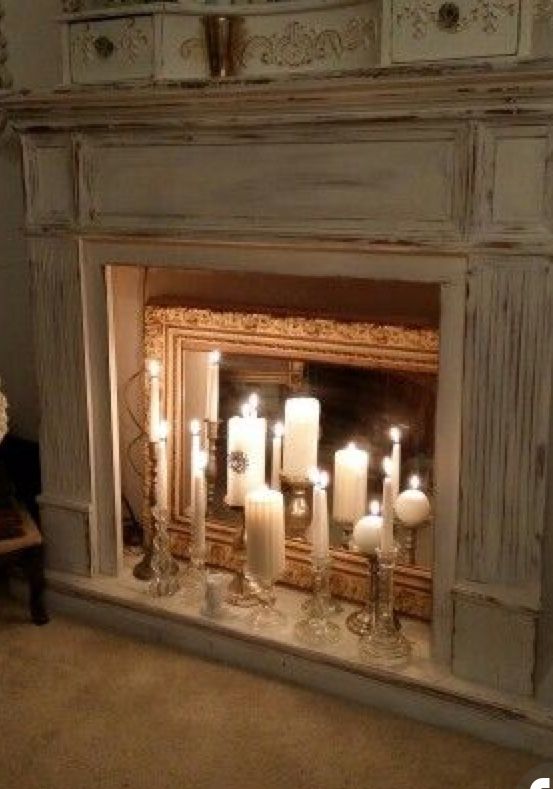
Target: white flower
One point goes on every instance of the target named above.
(3, 415)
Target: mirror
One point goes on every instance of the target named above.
(366, 377)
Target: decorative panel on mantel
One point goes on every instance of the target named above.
(506, 422)
(306, 181)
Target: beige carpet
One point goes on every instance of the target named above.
(83, 708)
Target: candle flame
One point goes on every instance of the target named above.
(387, 466)
(154, 368)
(195, 427)
(314, 475)
(395, 434)
(214, 357)
(246, 410)
(324, 479)
(352, 445)
(415, 482)
(278, 430)
(253, 401)
(163, 430)
(375, 507)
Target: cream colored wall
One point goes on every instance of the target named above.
(35, 62)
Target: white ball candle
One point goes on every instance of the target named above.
(301, 436)
(319, 521)
(265, 542)
(154, 371)
(412, 506)
(350, 484)
(212, 387)
(367, 533)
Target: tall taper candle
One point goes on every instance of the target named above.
(395, 435)
(200, 502)
(195, 430)
(212, 389)
(319, 522)
(276, 466)
(154, 371)
(162, 492)
(387, 508)
(301, 436)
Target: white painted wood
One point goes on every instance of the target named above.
(65, 525)
(299, 181)
(481, 31)
(506, 421)
(132, 50)
(494, 644)
(447, 460)
(49, 180)
(514, 181)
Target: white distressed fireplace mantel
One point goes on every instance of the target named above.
(443, 175)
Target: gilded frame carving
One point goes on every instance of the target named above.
(169, 329)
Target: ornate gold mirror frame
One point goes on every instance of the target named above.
(171, 331)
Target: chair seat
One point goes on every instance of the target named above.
(29, 539)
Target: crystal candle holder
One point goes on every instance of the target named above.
(385, 644)
(266, 615)
(363, 621)
(298, 494)
(316, 629)
(241, 592)
(195, 575)
(212, 441)
(164, 580)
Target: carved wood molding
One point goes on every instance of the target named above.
(170, 329)
(357, 343)
(422, 15)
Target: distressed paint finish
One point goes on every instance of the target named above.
(56, 292)
(506, 418)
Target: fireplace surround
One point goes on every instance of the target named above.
(440, 178)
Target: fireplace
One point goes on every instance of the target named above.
(326, 200)
(367, 350)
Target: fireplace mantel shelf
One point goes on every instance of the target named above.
(422, 92)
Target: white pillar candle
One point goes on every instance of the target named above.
(154, 371)
(247, 436)
(195, 430)
(276, 465)
(162, 482)
(350, 484)
(387, 508)
(367, 533)
(301, 436)
(412, 506)
(395, 435)
(319, 522)
(265, 544)
(256, 439)
(237, 462)
(200, 502)
(212, 389)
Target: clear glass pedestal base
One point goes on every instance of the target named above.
(360, 622)
(385, 647)
(317, 632)
(266, 616)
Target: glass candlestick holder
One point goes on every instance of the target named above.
(164, 580)
(298, 495)
(212, 441)
(241, 592)
(316, 629)
(266, 616)
(363, 621)
(385, 644)
(194, 577)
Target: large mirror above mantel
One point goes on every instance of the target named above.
(366, 378)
